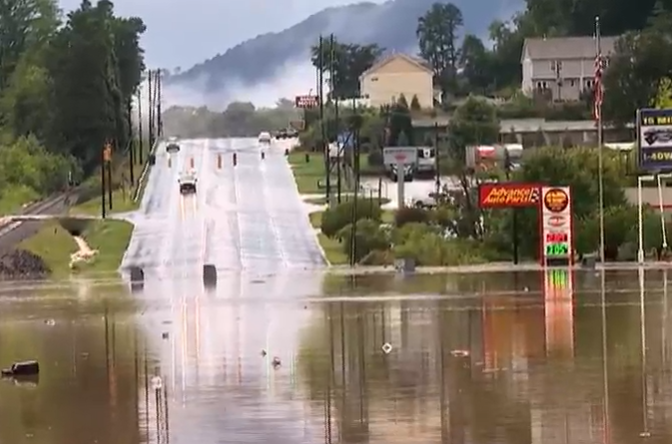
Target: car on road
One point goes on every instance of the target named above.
(286, 134)
(187, 182)
(657, 135)
(172, 148)
(264, 137)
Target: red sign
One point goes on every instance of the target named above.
(556, 238)
(306, 101)
(508, 195)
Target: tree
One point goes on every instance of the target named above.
(437, 33)
(415, 103)
(349, 63)
(474, 123)
(641, 62)
(95, 64)
(475, 62)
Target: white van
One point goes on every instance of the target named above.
(264, 137)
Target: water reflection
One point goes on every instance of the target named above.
(551, 358)
(557, 367)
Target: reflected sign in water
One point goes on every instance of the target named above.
(559, 312)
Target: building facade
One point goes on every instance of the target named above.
(397, 75)
(561, 69)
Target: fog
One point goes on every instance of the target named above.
(294, 79)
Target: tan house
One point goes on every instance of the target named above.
(395, 75)
(561, 68)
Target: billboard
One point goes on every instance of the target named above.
(306, 101)
(508, 195)
(654, 139)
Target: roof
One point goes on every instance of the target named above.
(411, 59)
(566, 47)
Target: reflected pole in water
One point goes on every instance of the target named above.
(344, 409)
(146, 389)
(642, 321)
(442, 391)
(363, 412)
(327, 403)
(665, 308)
(605, 372)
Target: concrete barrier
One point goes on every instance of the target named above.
(209, 275)
(137, 278)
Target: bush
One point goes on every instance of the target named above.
(368, 237)
(407, 215)
(375, 158)
(334, 219)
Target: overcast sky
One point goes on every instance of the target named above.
(184, 32)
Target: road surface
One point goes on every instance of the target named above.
(243, 217)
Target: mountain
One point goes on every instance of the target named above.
(392, 25)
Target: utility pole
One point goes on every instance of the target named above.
(356, 123)
(131, 141)
(437, 165)
(159, 119)
(141, 136)
(335, 97)
(150, 74)
(325, 143)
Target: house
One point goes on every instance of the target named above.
(561, 68)
(395, 75)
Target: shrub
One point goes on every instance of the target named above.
(375, 158)
(334, 219)
(368, 237)
(415, 103)
(408, 215)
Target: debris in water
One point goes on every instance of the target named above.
(25, 368)
(460, 353)
(164, 335)
(50, 322)
(263, 353)
(276, 362)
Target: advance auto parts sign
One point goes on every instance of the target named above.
(508, 195)
(557, 236)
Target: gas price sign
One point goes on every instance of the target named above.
(556, 224)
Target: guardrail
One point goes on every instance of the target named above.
(145, 172)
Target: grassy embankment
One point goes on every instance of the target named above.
(311, 177)
(109, 238)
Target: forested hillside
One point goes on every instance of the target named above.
(66, 86)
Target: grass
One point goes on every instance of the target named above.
(122, 202)
(323, 200)
(122, 195)
(15, 197)
(309, 174)
(54, 244)
(332, 247)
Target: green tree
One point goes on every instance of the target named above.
(642, 61)
(91, 83)
(476, 63)
(349, 63)
(437, 33)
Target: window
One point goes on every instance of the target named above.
(552, 65)
(374, 79)
(571, 82)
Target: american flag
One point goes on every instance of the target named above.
(599, 87)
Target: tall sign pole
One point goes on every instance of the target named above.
(599, 95)
(141, 136)
(337, 124)
(159, 118)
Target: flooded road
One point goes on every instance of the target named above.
(501, 358)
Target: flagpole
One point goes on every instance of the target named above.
(599, 138)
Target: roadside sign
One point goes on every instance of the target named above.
(405, 155)
(345, 139)
(306, 101)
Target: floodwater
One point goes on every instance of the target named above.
(485, 358)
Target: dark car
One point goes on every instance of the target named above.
(657, 135)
